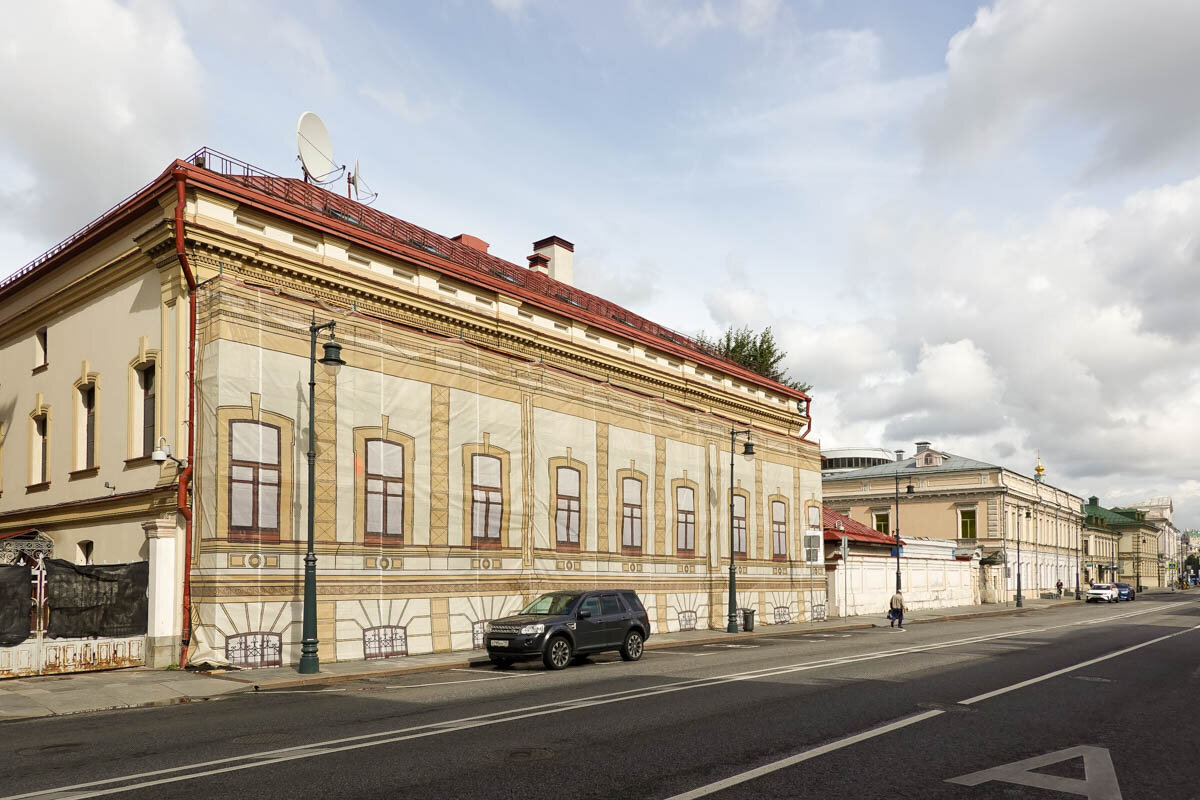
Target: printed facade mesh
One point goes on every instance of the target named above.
(16, 604)
(96, 600)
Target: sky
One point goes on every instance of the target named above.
(976, 225)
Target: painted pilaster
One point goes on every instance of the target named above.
(760, 535)
(325, 520)
(164, 539)
(528, 503)
(602, 509)
(660, 495)
(439, 466)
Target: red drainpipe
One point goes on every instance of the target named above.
(182, 502)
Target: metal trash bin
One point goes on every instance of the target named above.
(747, 619)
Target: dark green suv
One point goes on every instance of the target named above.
(562, 626)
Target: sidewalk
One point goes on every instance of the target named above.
(53, 695)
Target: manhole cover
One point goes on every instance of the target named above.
(261, 738)
(49, 749)
(522, 754)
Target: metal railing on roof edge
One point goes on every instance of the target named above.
(294, 190)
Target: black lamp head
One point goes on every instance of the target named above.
(748, 448)
(333, 354)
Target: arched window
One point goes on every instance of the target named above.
(783, 615)
(384, 492)
(487, 499)
(631, 514)
(778, 530)
(253, 481)
(685, 519)
(39, 454)
(567, 516)
(687, 620)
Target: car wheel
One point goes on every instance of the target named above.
(558, 653)
(501, 661)
(631, 650)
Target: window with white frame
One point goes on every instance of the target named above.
(253, 481)
(86, 444)
(149, 399)
(739, 525)
(567, 509)
(685, 519)
(881, 521)
(966, 523)
(487, 499)
(631, 514)
(39, 466)
(384, 491)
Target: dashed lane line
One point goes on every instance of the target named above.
(997, 692)
(782, 763)
(186, 772)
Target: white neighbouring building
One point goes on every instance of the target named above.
(1008, 520)
(862, 583)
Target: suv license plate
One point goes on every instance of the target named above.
(499, 642)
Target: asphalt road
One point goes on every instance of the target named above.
(1105, 694)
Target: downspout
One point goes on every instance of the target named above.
(182, 502)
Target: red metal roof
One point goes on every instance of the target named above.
(466, 262)
(854, 531)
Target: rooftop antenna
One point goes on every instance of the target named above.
(362, 192)
(315, 150)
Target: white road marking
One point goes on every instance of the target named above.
(1099, 783)
(448, 683)
(677, 653)
(386, 737)
(732, 646)
(1065, 670)
(766, 769)
(263, 758)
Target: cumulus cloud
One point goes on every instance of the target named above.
(100, 96)
(1066, 335)
(1116, 75)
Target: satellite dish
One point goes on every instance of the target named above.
(362, 192)
(315, 147)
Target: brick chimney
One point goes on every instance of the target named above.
(561, 258)
(538, 262)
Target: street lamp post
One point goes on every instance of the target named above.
(1078, 546)
(908, 490)
(1020, 599)
(310, 662)
(747, 450)
(1139, 541)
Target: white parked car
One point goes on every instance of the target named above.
(1104, 591)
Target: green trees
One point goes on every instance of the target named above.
(754, 351)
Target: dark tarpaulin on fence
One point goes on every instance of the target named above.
(16, 604)
(96, 600)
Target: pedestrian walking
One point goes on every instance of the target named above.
(896, 610)
(1059, 587)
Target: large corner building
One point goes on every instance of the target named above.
(495, 432)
